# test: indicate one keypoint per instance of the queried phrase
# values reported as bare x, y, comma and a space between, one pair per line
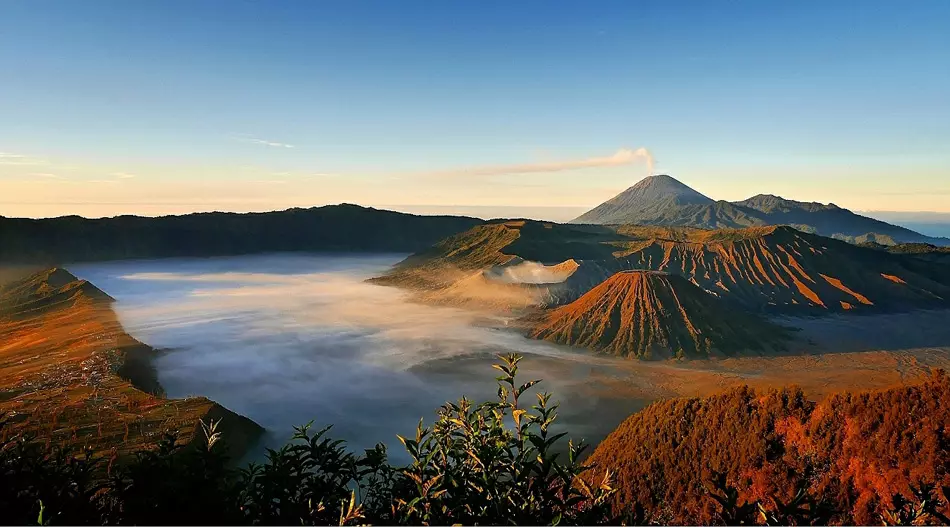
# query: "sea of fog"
286, 339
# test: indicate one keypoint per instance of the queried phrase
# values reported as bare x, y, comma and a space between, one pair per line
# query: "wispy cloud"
322, 175
7, 158
265, 142
114, 177
269, 181
46, 175
624, 156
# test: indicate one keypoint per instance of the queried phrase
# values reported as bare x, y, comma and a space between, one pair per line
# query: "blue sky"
155, 107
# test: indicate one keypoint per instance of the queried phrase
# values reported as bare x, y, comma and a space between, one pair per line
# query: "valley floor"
831, 354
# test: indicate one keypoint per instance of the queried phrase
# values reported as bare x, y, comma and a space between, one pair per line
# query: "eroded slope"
783, 269
775, 269
649, 314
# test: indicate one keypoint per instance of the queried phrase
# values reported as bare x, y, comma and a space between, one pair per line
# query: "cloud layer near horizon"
624, 156
36, 184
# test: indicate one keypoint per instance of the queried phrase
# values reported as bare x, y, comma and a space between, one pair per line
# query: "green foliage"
494, 462
471, 467
487, 463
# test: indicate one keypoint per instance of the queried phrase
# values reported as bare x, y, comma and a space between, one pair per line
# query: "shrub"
739, 458
492, 462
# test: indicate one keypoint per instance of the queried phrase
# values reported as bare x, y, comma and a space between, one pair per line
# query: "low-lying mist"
284, 339
535, 273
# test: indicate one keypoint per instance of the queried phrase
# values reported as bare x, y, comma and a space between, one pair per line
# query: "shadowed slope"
783, 269
70, 374
655, 315
829, 220
923, 251
499, 244
330, 228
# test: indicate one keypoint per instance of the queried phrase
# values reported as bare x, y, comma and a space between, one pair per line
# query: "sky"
158, 107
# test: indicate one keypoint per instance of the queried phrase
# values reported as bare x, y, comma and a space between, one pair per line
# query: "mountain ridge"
657, 200
761, 269
66, 358
345, 227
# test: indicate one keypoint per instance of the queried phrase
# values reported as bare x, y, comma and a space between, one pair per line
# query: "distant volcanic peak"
649, 201
772, 202
664, 186
664, 201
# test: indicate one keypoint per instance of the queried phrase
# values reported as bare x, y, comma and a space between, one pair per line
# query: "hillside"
481, 267
649, 314
47, 290
770, 269
71, 375
783, 269
662, 200
330, 228
854, 450
923, 251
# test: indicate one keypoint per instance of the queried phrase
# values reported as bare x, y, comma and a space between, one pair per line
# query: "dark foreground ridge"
331, 228
740, 458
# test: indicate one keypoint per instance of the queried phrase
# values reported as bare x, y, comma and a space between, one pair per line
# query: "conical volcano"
650, 199
662, 200
651, 314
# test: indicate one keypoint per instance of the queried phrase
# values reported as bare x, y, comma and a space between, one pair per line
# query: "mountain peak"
654, 314
663, 200
771, 202
651, 196
664, 184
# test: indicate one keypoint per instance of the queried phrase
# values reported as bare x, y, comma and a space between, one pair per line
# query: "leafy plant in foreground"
487, 463
470, 466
